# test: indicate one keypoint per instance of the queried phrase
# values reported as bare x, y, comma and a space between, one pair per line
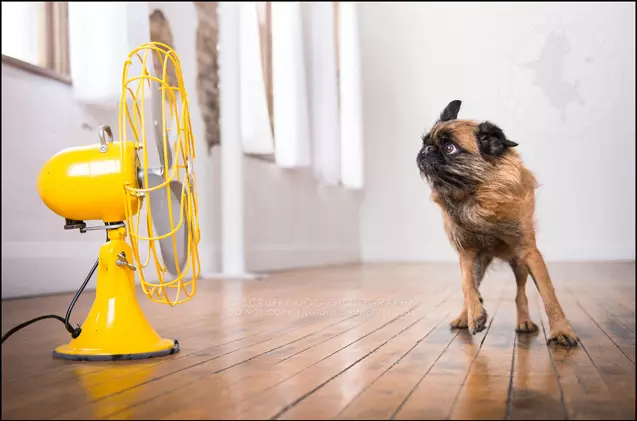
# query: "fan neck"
117, 234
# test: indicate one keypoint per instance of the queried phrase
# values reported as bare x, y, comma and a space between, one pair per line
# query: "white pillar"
232, 218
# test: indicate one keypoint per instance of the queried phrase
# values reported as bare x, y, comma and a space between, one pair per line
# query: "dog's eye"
449, 148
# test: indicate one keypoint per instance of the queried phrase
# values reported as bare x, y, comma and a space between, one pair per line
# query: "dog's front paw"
563, 336
526, 326
460, 322
477, 320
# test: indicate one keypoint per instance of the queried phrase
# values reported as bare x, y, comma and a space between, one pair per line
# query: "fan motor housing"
87, 182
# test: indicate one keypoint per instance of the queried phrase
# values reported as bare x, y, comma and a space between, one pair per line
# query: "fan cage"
133, 123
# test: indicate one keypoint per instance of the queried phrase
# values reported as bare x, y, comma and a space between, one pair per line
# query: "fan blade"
161, 220
158, 123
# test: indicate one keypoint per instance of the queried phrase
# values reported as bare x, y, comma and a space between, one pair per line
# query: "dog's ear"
491, 140
451, 111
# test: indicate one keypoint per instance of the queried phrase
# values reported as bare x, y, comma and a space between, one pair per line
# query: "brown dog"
487, 197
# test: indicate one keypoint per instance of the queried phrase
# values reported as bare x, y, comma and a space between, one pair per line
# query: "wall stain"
549, 74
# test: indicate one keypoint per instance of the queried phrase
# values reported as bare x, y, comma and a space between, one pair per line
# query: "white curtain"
101, 34
291, 122
256, 131
351, 98
320, 57
311, 128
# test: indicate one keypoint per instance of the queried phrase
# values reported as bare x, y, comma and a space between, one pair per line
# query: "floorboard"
349, 342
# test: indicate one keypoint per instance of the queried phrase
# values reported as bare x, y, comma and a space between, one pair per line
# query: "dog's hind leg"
561, 331
524, 322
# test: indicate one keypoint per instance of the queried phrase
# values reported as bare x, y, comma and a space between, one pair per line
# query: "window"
337, 40
265, 32
35, 37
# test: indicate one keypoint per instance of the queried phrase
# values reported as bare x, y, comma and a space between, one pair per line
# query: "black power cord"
75, 332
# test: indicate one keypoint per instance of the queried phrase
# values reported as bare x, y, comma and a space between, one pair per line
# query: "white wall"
39, 118
290, 220
559, 78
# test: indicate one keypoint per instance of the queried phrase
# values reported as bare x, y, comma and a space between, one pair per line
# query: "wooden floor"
347, 342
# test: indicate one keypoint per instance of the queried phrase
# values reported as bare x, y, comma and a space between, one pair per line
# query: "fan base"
66, 352
115, 327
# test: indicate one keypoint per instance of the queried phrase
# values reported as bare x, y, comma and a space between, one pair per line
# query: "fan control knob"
122, 262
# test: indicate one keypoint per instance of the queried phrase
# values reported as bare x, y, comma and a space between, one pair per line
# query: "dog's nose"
429, 149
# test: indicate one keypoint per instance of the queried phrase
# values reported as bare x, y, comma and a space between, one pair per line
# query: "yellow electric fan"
155, 206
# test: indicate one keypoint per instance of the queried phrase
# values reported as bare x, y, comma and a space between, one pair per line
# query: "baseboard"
41, 268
